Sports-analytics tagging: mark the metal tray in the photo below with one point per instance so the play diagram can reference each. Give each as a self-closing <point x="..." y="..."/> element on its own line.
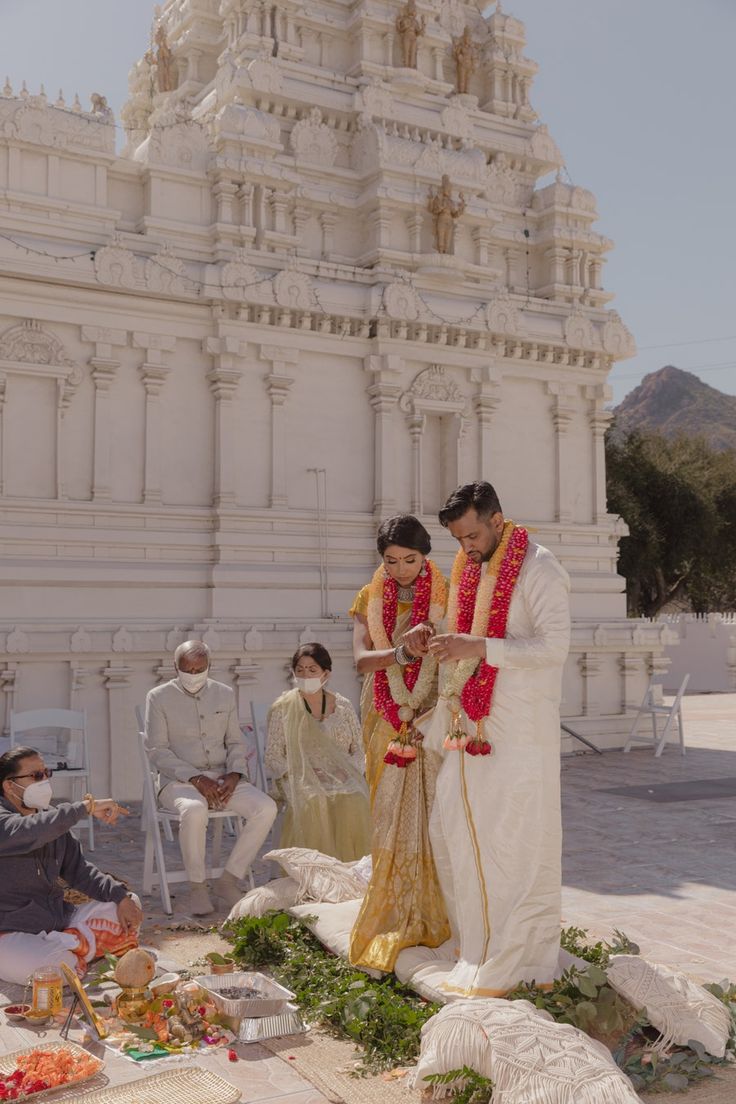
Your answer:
<point x="272" y="1002"/>
<point x="255" y="1030"/>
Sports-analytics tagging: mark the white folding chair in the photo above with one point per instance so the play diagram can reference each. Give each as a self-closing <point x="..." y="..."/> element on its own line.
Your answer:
<point x="259" y="716"/>
<point x="72" y="750"/>
<point x="153" y="818"/>
<point x="654" y="709"/>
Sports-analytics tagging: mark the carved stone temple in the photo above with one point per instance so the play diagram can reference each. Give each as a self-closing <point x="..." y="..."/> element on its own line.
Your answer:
<point x="229" y="345"/>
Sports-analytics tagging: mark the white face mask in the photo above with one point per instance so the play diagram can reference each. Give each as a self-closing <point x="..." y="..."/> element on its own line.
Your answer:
<point x="37" y="795"/>
<point x="193" y="683"/>
<point x="308" y="685"/>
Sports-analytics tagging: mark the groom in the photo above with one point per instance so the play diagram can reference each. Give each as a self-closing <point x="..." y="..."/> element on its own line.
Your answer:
<point x="495" y="825"/>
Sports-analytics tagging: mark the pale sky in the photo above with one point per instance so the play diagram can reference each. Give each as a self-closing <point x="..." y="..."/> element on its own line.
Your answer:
<point x="639" y="96"/>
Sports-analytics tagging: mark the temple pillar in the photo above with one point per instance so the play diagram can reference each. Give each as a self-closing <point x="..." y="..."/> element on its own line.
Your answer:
<point x="125" y="775"/>
<point x="485" y="401"/>
<point x="279" y="381"/>
<point x="227" y="354"/>
<point x="384" y="394"/>
<point x="104" y="368"/>
<point x="153" y="373"/>
<point x="562" y="412"/>
<point x="599" y="419"/>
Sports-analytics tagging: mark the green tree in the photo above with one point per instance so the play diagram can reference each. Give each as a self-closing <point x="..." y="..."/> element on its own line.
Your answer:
<point x="678" y="498"/>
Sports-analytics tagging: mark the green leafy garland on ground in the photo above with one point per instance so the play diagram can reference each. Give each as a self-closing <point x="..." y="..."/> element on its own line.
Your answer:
<point x="381" y="1015"/>
<point x="386" y="1018"/>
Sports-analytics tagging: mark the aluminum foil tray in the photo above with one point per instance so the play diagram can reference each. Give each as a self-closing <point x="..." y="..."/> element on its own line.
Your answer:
<point x="255" y="1030"/>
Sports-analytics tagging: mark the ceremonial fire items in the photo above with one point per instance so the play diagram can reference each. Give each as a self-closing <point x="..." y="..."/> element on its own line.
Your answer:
<point x="133" y="973"/>
<point x="479" y="604"/>
<point x="400" y="691"/>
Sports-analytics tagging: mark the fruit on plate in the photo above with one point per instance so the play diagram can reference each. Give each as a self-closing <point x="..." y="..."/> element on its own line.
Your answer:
<point x="41" y="1069"/>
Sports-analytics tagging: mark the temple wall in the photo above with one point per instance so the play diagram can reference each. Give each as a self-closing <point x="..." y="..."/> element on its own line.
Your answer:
<point x="250" y="303"/>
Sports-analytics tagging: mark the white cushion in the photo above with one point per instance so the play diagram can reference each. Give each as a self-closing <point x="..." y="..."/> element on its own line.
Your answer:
<point x="674" y="1004"/>
<point x="332" y="925"/>
<point x="277" y="894"/>
<point x="319" y="877"/>
<point x="530" y="1058"/>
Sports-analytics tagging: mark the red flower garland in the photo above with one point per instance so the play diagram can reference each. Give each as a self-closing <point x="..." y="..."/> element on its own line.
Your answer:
<point x="478" y="690"/>
<point x="382" y="700"/>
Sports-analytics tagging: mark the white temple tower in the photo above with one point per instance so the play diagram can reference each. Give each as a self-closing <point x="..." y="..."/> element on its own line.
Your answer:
<point x="227" y="352"/>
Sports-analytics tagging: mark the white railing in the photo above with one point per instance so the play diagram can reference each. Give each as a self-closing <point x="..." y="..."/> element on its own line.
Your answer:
<point x="706" y="651"/>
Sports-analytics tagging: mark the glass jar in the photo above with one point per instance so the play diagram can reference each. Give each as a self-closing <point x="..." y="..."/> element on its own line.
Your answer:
<point x="47" y="991"/>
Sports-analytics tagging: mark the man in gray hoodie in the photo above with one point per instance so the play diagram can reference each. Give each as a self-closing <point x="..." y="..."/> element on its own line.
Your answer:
<point x="38" y="928"/>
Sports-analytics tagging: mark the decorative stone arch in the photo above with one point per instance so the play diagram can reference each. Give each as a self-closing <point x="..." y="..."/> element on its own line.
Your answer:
<point x="435" y="393"/>
<point x="27" y="349"/>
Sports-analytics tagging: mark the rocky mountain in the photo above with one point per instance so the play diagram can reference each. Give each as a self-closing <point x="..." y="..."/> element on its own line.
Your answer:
<point x="672" y="401"/>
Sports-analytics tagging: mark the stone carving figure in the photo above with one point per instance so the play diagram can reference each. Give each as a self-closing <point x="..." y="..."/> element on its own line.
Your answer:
<point x="100" y="105"/>
<point x="444" y="211"/>
<point x="164" y="62"/>
<point x="465" y="55"/>
<point x="410" y="26"/>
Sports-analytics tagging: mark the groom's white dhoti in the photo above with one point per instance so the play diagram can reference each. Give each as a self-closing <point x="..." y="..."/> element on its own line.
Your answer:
<point x="495" y="825"/>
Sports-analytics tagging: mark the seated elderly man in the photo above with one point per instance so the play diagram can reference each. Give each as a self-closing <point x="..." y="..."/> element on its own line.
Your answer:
<point x="37" y="926"/>
<point x="194" y="740"/>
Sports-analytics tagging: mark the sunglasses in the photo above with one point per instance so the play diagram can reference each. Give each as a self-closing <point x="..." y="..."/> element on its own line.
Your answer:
<point x="37" y="776"/>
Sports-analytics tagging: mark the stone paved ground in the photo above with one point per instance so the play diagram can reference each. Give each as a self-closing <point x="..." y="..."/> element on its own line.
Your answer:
<point x="665" y="873"/>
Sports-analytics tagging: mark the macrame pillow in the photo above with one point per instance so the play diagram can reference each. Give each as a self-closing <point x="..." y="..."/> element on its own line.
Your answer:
<point x="530" y="1058"/>
<point x="319" y="877"/>
<point x="676" y="1006"/>
<point x="278" y="894"/>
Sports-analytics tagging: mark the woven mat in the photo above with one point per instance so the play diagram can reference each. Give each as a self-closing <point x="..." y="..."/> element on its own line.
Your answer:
<point x="327" y="1062"/>
<point x="720" y="1089"/>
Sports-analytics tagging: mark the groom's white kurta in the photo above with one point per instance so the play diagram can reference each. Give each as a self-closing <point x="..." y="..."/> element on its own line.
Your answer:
<point x="495" y="825"/>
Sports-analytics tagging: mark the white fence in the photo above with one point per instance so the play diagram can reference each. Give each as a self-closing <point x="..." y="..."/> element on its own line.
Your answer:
<point x="706" y="651"/>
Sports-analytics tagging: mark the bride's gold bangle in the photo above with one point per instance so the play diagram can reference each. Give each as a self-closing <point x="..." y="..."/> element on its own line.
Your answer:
<point x="89" y="801"/>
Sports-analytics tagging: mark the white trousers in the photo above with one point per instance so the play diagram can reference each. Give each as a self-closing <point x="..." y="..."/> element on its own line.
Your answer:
<point x="257" y="808"/>
<point x="23" y="952"/>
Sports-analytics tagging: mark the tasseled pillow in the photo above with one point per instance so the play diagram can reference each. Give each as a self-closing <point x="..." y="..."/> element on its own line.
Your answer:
<point x="281" y="893"/>
<point x="674" y="1004"/>
<point x="319" y="877"/>
<point x="529" y="1058"/>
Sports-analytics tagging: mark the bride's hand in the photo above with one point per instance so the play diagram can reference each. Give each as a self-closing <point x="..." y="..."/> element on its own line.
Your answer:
<point x="416" y="640"/>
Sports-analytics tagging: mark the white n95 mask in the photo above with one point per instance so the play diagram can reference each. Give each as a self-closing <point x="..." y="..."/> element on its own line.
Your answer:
<point x="37" y="795"/>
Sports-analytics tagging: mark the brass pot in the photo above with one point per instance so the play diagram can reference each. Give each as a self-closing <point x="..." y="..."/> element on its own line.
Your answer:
<point x="133" y="1004"/>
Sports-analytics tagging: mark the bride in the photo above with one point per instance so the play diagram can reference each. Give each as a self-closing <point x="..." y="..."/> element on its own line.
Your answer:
<point x="403" y="906"/>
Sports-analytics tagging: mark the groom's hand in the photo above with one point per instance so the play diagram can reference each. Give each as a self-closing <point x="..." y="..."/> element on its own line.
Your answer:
<point x="458" y="646"/>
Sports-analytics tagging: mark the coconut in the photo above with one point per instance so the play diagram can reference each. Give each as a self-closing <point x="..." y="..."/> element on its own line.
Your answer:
<point x="135" y="969"/>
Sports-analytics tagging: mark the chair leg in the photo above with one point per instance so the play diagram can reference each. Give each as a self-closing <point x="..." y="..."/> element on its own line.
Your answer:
<point x="681" y="728"/>
<point x="632" y="734"/>
<point x="167" y="831"/>
<point x="148" y="861"/>
<point x="161" y="864"/>
<point x="663" y="738"/>
<point x="217" y="842"/>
